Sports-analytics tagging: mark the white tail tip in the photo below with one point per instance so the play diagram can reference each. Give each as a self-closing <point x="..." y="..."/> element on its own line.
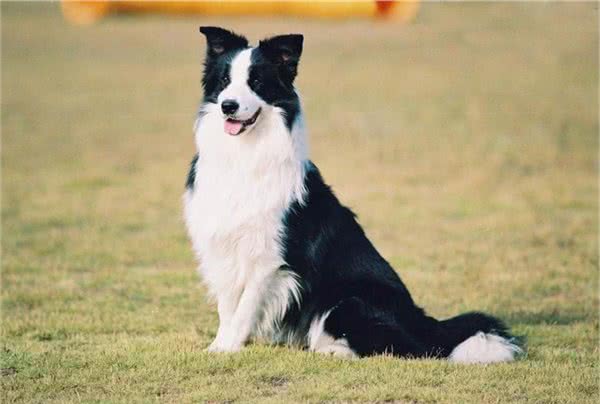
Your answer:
<point x="485" y="348"/>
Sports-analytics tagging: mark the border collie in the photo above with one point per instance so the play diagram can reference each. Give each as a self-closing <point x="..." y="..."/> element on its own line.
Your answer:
<point x="284" y="259"/>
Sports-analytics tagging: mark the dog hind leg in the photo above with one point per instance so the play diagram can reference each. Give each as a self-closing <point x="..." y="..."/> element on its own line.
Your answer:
<point x="355" y="328"/>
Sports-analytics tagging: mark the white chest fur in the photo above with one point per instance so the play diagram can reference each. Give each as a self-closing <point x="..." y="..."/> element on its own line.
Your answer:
<point x="234" y="214"/>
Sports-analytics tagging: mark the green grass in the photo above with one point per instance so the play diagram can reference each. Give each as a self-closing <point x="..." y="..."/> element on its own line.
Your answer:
<point x="466" y="142"/>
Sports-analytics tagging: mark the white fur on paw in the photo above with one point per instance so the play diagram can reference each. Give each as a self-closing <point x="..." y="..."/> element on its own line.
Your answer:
<point x="218" y="346"/>
<point x="338" y="348"/>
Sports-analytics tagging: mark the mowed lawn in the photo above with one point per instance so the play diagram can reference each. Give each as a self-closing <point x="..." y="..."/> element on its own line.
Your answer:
<point x="466" y="142"/>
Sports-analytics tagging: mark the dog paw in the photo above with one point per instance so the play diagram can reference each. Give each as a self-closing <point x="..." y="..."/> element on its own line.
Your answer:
<point x="339" y="348"/>
<point x="218" y="346"/>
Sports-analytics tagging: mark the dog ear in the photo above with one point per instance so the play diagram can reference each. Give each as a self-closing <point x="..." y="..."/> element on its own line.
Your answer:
<point x="284" y="51"/>
<point x="220" y="41"/>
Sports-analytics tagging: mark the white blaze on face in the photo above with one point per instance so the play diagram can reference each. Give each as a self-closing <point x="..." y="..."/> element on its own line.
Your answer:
<point x="238" y="89"/>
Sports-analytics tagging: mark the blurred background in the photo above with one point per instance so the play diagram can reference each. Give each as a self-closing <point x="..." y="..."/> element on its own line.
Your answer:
<point x="465" y="139"/>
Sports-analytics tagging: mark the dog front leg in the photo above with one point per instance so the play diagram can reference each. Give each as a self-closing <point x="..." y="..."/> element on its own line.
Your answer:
<point x="226" y="306"/>
<point x="243" y="321"/>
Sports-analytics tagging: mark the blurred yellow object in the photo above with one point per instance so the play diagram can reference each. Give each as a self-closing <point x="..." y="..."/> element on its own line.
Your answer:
<point x="87" y="12"/>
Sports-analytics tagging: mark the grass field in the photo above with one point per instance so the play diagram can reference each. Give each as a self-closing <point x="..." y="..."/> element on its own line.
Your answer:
<point x="467" y="143"/>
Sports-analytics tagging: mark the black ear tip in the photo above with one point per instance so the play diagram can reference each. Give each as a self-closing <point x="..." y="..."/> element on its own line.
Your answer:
<point x="299" y="39"/>
<point x="208" y="30"/>
<point x="205" y="30"/>
<point x="296" y="39"/>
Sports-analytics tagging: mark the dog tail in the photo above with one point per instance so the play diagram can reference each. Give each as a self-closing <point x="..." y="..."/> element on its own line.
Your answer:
<point x="477" y="338"/>
<point x="468" y="338"/>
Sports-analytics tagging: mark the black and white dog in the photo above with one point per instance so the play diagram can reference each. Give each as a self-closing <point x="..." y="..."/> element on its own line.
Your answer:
<point x="283" y="258"/>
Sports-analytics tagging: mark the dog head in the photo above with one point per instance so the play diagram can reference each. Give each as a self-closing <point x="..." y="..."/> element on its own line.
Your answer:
<point x="247" y="82"/>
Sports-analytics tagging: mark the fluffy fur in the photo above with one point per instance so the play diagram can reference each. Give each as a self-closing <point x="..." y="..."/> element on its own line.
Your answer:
<point x="283" y="258"/>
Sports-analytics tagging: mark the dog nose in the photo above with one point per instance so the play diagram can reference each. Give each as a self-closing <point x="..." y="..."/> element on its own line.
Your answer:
<point x="229" y="107"/>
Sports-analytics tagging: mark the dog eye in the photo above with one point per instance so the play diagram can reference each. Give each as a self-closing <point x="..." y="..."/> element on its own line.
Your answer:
<point x="255" y="82"/>
<point x="224" y="81"/>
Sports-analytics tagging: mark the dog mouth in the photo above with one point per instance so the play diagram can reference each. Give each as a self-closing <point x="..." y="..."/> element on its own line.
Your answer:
<point x="235" y="127"/>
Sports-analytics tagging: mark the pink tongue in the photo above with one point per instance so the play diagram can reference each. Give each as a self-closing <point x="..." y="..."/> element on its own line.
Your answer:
<point x="233" y="127"/>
